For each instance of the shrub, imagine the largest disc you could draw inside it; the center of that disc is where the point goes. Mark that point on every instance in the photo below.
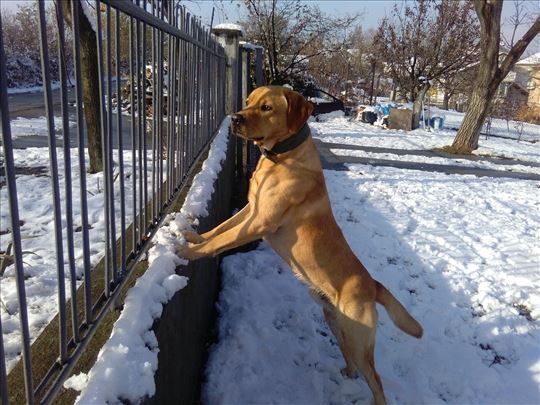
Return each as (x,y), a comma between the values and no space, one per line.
(530,114)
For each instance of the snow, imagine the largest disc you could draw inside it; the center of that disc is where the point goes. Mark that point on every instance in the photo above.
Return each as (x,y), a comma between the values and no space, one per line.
(345,131)
(35,126)
(125,367)
(126,364)
(31,89)
(229,27)
(480,164)
(329,116)
(460,252)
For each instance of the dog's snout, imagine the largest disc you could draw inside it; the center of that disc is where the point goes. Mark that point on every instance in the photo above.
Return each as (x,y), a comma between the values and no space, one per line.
(237,119)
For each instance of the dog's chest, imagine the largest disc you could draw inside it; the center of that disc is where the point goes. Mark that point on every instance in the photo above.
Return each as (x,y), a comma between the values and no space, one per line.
(263,177)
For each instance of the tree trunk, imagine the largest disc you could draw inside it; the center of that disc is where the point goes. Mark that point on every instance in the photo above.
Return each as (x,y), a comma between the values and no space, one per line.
(446,100)
(417,106)
(477,110)
(372,83)
(490,74)
(90,86)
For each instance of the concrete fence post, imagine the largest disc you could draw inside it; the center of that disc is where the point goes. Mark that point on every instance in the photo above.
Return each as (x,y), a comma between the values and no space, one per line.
(259,72)
(245,82)
(228,36)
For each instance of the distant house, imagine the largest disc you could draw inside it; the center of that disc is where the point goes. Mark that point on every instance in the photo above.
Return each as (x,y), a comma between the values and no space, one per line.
(521,85)
(529,69)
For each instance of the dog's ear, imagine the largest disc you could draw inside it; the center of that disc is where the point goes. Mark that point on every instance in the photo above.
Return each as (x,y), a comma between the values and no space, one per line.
(298,110)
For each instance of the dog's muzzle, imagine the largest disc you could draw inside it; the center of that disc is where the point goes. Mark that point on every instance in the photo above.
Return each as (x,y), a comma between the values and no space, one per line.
(236,121)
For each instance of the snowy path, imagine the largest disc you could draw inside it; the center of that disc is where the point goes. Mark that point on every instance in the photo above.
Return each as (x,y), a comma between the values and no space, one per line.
(344,131)
(462,254)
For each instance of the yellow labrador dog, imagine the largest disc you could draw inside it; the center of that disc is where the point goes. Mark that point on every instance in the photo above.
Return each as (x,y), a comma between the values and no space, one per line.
(289,208)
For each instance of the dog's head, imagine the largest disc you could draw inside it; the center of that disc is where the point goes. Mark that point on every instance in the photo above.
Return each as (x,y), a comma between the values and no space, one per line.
(272,114)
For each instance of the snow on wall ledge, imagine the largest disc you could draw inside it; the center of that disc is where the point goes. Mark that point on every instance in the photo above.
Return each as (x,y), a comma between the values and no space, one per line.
(126,364)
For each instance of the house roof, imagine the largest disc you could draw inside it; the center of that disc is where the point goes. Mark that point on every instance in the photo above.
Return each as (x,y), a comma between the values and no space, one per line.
(533,60)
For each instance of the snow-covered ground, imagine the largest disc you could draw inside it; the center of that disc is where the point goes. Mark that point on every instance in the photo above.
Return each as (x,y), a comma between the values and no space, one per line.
(461,252)
(32,89)
(499,127)
(339,129)
(21,126)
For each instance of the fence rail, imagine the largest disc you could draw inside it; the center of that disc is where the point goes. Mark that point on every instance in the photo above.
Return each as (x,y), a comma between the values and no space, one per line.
(161,79)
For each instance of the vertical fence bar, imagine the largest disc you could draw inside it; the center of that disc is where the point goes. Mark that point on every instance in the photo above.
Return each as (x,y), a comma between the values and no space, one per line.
(82,164)
(174,181)
(53,165)
(177,101)
(141,93)
(109,177)
(169,109)
(183,110)
(120,138)
(67,172)
(143,179)
(154,115)
(191,91)
(159,117)
(198,75)
(11,185)
(208,109)
(4,395)
(202,91)
(105,154)
(134,85)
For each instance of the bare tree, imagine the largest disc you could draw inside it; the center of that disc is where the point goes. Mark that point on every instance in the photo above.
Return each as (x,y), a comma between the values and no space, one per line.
(520,17)
(21,45)
(425,41)
(348,69)
(490,72)
(292,33)
(456,83)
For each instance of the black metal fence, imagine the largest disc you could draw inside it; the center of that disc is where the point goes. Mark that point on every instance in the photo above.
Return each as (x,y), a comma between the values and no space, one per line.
(159,107)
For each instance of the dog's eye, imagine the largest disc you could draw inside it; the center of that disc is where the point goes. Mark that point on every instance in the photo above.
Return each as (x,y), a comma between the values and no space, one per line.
(266,107)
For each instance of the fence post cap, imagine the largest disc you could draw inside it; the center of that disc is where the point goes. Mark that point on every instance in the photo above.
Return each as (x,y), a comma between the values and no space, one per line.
(228,29)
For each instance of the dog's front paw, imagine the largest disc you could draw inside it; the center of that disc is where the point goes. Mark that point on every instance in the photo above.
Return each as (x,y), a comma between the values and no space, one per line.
(189,251)
(192,237)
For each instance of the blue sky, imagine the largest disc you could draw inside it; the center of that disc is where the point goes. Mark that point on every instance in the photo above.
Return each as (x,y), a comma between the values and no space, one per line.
(373,11)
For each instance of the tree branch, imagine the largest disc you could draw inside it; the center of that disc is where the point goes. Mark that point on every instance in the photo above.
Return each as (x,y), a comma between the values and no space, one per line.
(518,49)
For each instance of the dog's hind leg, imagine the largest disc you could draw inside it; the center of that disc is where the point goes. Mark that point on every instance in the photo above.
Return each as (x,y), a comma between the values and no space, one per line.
(330,315)
(331,320)
(358,323)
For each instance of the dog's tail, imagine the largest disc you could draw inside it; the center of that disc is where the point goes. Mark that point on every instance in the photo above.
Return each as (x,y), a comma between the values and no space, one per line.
(399,315)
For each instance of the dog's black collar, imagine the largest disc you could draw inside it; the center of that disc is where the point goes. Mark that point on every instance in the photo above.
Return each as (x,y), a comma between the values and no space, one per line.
(288,144)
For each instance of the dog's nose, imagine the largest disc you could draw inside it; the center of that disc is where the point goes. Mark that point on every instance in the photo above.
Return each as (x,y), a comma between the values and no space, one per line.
(237,119)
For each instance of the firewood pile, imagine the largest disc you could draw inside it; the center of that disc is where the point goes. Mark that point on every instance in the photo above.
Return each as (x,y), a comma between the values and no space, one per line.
(148,83)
